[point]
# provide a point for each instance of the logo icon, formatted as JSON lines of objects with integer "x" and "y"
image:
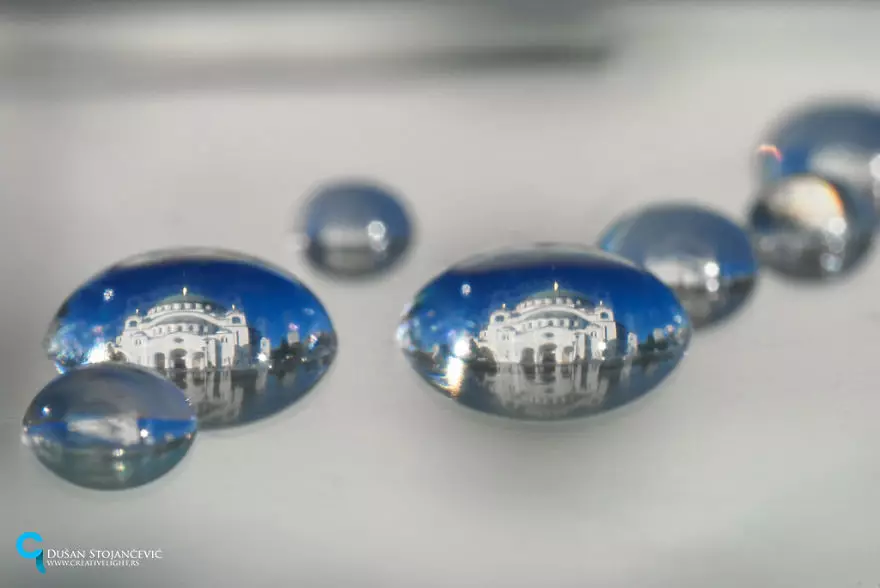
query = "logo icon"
{"x": 35, "y": 554}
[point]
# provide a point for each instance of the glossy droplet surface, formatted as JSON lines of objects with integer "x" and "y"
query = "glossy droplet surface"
{"x": 109, "y": 426}
{"x": 808, "y": 227}
{"x": 243, "y": 339}
{"x": 354, "y": 229}
{"x": 705, "y": 258}
{"x": 839, "y": 141}
{"x": 544, "y": 333}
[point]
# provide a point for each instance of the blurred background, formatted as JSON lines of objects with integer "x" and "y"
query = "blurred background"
{"x": 134, "y": 126}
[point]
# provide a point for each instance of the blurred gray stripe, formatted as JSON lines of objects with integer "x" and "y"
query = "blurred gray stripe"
{"x": 149, "y": 45}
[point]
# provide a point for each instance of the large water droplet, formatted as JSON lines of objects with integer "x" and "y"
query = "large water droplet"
{"x": 837, "y": 140}
{"x": 543, "y": 333}
{"x": 244, "y": 340}
{"x": 109, "y": 426}
{"x": 704, "y": 257}
{"x": 807, "y": 227}
{"x": 354, "y": 229}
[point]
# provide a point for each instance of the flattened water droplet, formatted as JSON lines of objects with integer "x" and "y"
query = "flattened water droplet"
{"x": 544, "y": 333}
{"x": 243, "y": 339}
{"x": 704, "y": 257}
{"x": 839, "y": 141}
{"x": 109, "y": 426}
{"x": 354, "y": 229}
{"x": 807, "y": 227}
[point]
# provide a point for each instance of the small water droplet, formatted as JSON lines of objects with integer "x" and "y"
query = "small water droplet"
{"x": 836, "y": 140}
{"x": 545, "y": 333}
{"x": 808, "y": 227}
{"x": 243, "y": 339}
{"x": 109, "y": 426}
{"x": 353, "y": 229}
{"x": 704, "y": 257}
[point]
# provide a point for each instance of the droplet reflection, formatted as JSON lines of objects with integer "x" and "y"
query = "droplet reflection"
{"x": 808, "y": 227}
{"x": 704, "y": 257}
{"x": 836, "y": 140}
{"x": 354, "y": 229}
{"x": 109, "y": 426}
{"x": 243, "y": 339}
{"x": 544, "y": 333}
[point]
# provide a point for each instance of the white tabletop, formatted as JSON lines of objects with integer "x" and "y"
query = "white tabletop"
{"x": 755, "y": 464}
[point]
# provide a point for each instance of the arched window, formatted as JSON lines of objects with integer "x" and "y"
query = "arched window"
{"x": 131, "y": 323}
{"x": 236, "y": 320}
{"x": 499, "y": 319}
{"x": 604, "y": 315}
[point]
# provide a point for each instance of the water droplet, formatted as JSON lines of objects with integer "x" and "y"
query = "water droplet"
{"x": 807, "y": 227}
{"x": 354, "y": 229}
{"x": 704, "y": 257}
{"x": 839, "y": 141}
{"x": 109, "y": 426}
{"x": 544, "y": 333}
{"x": 243, "y": 339}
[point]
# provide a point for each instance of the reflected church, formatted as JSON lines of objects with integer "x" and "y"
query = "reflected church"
{"x": 190, "y": 332}
{"x": 556, "y": 326}
{"x": 229, "y": 372}
{"x": 553, "y": 355}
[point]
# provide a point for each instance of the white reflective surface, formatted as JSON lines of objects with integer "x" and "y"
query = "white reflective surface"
{"x": 755, "y": 467}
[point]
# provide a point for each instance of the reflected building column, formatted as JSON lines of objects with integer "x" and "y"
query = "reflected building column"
{"x": 626, "y": 369}
{"x": 262, "y": 377}
{"x": 592, "y": 380}
{"x": 224, "y": 388}
{"x": 197, "y": 392}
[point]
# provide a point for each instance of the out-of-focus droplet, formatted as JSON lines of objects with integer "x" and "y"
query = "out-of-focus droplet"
{"x": 704, "y": 257}
{"x": 109, "y": 426}
{"x": 243, "y": 339}
{"x": 544, "y": 333}
{"x": 808, "y": 227}
{"x": 353, "y": 229}
{"x": 838, "y": 141}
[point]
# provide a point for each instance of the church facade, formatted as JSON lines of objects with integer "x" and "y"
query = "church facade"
{"x": 191, "y": 332}
{"x": 555, "y": 326}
